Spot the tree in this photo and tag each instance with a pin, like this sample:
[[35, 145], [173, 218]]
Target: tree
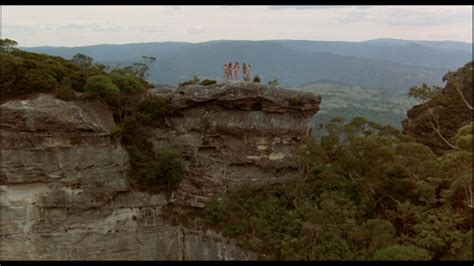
[[449, 107], [401, 252], [7, 44], [83, 61], [459, 82], [101, 86], [141, 69], [372, 235], [458, 169], [437, 230]]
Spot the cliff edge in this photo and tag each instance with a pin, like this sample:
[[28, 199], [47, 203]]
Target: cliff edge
[[64, 179]]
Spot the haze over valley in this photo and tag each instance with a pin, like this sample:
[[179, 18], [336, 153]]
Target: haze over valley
[[383, 67]]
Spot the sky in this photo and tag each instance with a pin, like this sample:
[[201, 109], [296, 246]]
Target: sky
[[89, 25]]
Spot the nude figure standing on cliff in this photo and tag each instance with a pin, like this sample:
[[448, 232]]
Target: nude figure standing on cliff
[[225, 71], [244, 72], [229, 71], [249, 71], [236, 71]]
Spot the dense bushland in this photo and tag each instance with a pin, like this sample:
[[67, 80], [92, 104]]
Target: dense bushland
[[122, 90], [367, 191]]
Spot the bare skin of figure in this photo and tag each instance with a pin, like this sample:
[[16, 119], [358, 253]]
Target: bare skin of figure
[[236, 71], [229, 71], [225, 71], [249, 71]]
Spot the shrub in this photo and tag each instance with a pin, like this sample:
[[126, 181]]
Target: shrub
[[214, 212], [207, 82], [194, 81], [117, 131], [101, 86], [170, 167], [295, 100], [155, 107], [25, 72], [256, 79], [149, 168], [463, 137], [127, 84], [401, 252], [135, 130], [65, 92]]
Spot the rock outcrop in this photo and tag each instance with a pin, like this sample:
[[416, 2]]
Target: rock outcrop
[[64, 190], [234, 133]]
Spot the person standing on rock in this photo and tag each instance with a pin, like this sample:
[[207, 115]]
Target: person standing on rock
[[244, 71], [249, 71], [236, 71], [228, 73], [225, 71]]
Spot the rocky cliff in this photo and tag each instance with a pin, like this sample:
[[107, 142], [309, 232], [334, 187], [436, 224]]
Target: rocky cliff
[[64, 186]]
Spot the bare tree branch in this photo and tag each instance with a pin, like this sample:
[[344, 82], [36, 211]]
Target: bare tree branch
[[464, 99], [437, 129], [468, 191]]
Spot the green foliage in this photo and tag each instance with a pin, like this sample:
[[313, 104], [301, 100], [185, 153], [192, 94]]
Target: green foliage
[[82, 59], [65, 92], [24, 73], [207, 82], [295, 101], [7, 44], [164, 169], [463, 138], [401, 252], [101, 86], [170, 167], [214, 212], [437, 231], [127, 84], [155, 107], [116, 132], [424, 92], [466, 251], [446, 106], [370, 236], [366, 192], [122, 90], [140, 69], [194, 81], [150, 168]]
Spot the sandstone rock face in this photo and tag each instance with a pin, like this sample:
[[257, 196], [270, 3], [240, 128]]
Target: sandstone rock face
[[64, 190], [233, 134]]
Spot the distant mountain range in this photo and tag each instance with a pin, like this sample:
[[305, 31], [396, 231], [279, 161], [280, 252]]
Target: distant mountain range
[[380, 63]]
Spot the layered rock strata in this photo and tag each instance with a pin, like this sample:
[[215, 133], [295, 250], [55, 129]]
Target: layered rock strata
[[64, 190]]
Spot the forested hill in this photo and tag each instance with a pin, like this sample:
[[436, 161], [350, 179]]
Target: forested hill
[[386, 64]]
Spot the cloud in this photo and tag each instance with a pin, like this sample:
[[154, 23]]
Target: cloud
[[199, 29], [86, 25], [403, 15], [316, 7]]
